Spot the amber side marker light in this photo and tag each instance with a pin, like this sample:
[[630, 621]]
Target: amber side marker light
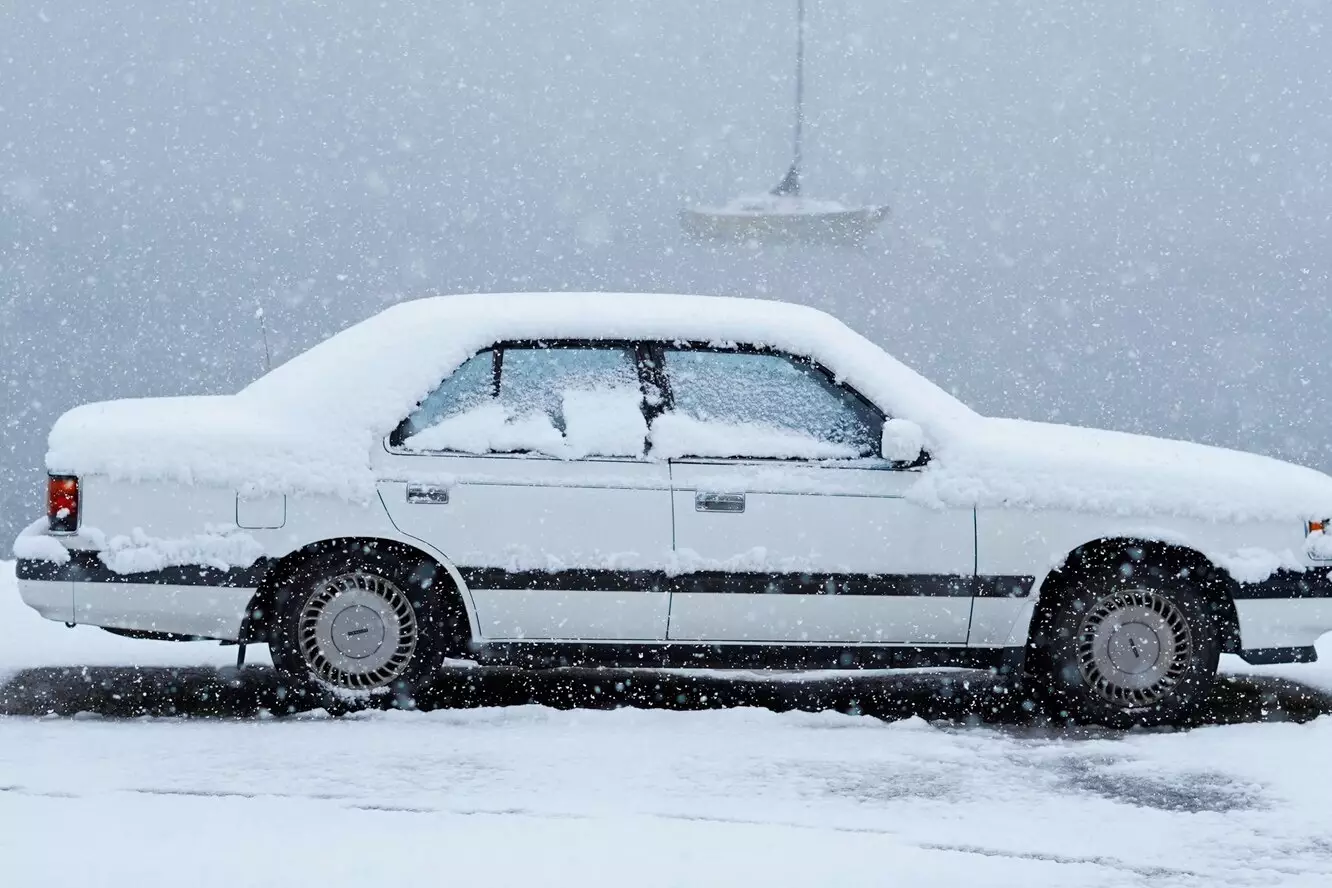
[[1315, 527], [62, 503]]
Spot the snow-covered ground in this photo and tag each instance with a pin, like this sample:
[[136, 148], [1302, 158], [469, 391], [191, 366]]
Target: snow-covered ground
[[535, 795]]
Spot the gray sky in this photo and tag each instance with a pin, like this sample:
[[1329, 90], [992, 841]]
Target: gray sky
[[1109, 214]]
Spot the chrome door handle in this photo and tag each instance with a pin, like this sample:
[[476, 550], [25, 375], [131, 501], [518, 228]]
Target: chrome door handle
[[435, 494], [719, 502]]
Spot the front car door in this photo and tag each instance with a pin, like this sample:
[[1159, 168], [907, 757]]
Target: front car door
[[789, 528], [526, 469]]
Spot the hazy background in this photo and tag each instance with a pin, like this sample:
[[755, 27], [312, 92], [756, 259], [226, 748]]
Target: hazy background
[[1104, 213]]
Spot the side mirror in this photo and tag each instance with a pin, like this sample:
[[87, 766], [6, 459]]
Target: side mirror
[[903, 441]]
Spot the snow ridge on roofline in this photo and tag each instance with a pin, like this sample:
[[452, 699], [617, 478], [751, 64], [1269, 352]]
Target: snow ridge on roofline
[[372, 374], [311, 425]]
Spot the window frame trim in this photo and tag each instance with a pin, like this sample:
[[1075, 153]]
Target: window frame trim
[[648, 356]]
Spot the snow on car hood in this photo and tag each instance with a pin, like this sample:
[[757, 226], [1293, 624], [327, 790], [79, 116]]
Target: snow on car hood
[[1010, 462]]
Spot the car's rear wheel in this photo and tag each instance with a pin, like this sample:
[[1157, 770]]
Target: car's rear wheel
[[1130, 643], [363, 620]]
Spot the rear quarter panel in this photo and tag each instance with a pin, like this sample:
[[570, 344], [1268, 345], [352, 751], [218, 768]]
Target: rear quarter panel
[[159, 509], [166, 510]]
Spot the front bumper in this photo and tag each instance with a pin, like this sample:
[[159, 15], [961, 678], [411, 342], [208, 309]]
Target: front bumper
[[1290, 609], [190, 600]]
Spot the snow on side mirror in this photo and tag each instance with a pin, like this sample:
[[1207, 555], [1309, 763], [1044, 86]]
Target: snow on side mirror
[[903, 440]]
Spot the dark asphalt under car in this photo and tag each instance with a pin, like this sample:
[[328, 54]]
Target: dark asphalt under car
[[956, 696]]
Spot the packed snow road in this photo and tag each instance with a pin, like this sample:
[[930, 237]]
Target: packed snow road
[[534, 794]]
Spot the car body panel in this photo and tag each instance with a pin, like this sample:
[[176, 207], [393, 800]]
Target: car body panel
[[590, 514], [822, 520], [201, 611], [711, 553]]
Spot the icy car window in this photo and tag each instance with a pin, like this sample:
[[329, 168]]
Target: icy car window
[[536, 379], [750, 392], [564, 402], [470, 386]]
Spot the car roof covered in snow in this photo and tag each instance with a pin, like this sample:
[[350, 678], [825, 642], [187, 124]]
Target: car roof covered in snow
[[313, 423], [373, 373]]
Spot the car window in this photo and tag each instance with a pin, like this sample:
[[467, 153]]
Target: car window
[[559, 401], [470, 386], [743, 404], [536, 379]]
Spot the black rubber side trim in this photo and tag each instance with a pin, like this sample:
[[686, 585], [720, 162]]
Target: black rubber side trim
[[674, 655], [87, 567], [744, 583], [1315, 582], [1001, 586], [1268, 656]]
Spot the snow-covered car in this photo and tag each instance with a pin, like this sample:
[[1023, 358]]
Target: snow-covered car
[[668, 481]]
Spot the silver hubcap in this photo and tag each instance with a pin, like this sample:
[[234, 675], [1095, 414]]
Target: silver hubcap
[[357, 631], [1134, 648]]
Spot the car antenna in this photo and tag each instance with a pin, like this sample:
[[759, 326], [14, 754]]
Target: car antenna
[[263, 331]]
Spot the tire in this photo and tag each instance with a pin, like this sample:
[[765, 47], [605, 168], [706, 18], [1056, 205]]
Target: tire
[[1126, 643], [364, 620]]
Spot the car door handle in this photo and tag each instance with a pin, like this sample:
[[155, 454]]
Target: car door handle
[[432, 494], [719, 502]]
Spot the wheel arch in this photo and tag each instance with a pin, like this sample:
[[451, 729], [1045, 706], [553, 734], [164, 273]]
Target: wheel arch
[[1214, 580], [254, 626]]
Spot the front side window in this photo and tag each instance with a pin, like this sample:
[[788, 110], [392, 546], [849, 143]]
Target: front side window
[[560, 401], [470, 386], [760, 405]]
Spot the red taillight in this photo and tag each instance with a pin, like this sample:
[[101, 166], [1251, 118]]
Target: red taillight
[[62, 503]]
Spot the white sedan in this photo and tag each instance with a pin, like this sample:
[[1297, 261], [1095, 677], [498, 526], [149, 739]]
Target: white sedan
[[668, 481]]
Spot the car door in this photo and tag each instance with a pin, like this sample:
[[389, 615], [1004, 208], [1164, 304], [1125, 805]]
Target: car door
[[788, 526], [526, 469]]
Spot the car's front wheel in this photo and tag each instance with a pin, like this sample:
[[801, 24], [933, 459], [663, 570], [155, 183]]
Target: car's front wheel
[[363, 620], [1130, 643]]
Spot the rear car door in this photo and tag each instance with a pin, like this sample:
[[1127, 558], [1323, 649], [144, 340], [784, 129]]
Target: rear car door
[[526, 469], [789, 528]]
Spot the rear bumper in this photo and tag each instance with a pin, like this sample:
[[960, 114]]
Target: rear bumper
[[52, 599], [194, 601]]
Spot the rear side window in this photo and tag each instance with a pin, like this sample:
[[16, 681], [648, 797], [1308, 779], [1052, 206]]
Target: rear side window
[[568, 402], [760, 405]]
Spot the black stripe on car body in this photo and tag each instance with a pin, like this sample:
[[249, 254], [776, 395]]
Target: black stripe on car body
[[1284, 583], [748, 582], [87, 567]]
